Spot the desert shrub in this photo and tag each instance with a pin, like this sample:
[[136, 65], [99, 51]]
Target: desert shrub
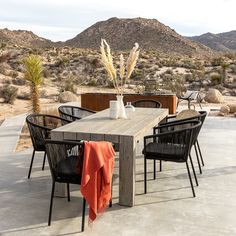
[[4, 57], [137, 74], [2, 70], [96, 63], [230, 55], [19, 81], [93, 82], [8, 93], [215, 78], [169, 62], [24, 96], [2, 45], [46, 73], [6, 81], [217, 61], [189, 64], [188, 77], [13, 74], [65, 73], [69, 84], [175, 83], [62, 62], [169, 71]]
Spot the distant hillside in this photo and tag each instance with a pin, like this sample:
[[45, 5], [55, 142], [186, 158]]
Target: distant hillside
[[219, 42], [121, 34], [23, 38]]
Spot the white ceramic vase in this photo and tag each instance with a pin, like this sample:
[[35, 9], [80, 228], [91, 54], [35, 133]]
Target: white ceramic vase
[[121, 107], [114, 109]]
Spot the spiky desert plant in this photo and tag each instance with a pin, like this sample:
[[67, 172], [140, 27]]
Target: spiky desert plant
[[224, 67], [33, 73], [125, 69]]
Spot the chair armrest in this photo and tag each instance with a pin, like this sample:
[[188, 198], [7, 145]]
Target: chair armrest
[[69, 142], [174, 123], [170, 117]]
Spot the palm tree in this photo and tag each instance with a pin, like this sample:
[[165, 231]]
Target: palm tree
[[33, 73]]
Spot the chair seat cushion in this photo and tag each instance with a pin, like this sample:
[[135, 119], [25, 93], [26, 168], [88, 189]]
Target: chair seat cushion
[[166, 152], [67, 170]]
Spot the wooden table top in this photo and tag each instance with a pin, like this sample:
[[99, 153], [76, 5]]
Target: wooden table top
[[100, 123]]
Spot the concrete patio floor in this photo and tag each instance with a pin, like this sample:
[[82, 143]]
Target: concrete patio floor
[[167, 209]]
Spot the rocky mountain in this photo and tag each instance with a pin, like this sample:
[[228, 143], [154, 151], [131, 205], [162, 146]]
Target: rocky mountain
[[219, 42], [121, 34], [23, 38]]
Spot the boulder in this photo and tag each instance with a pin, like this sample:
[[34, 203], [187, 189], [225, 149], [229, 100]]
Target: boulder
[[214, 96], [67, 96], [225, 110], [232, 108]]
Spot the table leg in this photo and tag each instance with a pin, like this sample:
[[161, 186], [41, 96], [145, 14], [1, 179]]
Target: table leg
[[127, 170]]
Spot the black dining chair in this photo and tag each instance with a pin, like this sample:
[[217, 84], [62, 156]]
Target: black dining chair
[[65, 160], [73, 113], [200, 115], [40, 126], [148, 103], [173, 145]]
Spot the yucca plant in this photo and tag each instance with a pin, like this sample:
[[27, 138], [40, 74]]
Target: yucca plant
[[33, 73]]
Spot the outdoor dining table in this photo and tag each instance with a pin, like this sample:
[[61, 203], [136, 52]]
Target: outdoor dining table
[[123, 132]]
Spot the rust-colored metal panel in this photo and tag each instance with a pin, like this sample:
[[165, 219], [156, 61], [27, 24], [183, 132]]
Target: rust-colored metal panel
[[100, 101]]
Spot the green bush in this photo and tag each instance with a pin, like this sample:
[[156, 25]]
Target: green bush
[[93, 82], [8, 93], [217, 61], [175, 83], [70, 84], [215, 78], [19, 81]]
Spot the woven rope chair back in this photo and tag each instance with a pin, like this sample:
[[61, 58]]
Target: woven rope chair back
[[182, 135], [73, 113], [40, 126], [57, 151], [147, 103]]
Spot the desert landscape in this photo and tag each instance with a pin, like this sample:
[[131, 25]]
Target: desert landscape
[[165, 148], [174, 65]]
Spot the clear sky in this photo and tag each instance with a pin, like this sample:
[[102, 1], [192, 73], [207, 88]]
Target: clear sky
[[60, 20]]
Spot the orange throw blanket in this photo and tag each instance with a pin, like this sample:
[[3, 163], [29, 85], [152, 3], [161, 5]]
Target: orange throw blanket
[[98, 165]]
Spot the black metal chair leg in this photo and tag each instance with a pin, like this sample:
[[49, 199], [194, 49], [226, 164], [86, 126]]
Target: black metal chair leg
[[199, 100], [189, 103], [198, 161], [200, 153], [68, 192], [160, 166], [51, 203], [190, 179], [44, 159], [194, 173], [31, 164], [154, 169], [83, 215], [145, 175]]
